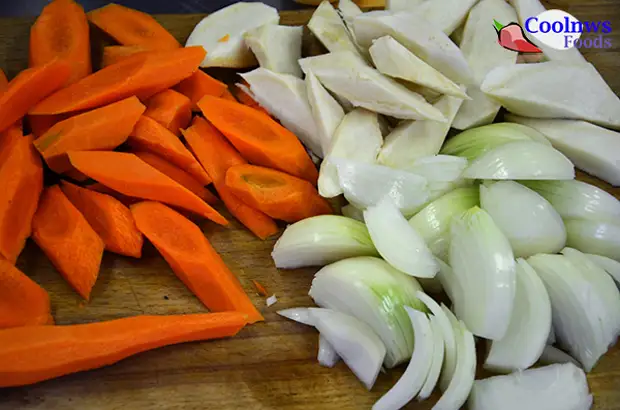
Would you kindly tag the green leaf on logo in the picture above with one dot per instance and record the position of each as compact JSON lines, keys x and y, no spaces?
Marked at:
{"x":498,"y":25}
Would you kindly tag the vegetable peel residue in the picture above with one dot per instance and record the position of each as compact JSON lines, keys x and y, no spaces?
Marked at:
{"x":224,"y":39}
{"x":260,"y":288}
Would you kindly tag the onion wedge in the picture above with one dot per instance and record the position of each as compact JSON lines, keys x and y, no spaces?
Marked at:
{"x":327,"y":356}
{"x":438,"y":354}
{"x":597,"y":237}
{"x":610,"y":266}
{"x":299,"y":315}
{"x":352,"y":212}
{"x":553,"y":355}
{"x":451,"y":354}
{"x":326,"y":111}
{"x":277,"y":48}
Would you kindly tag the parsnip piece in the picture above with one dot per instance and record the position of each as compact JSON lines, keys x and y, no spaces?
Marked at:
{"x":446,"y":15}
{"x":326,"y":111}
{"x":277,"y":48}
{"x":329,"y":28}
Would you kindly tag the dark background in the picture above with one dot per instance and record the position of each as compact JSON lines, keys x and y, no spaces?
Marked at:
{"x":20,"y":8}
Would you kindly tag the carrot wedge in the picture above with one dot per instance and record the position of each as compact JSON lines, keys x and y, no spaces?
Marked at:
{"x":109,"y":218}
{"x":142,"y":75}
{"x":21,"y":183}
{"x":259,"y":138}
{"x":40,"y":124}
{"x":171,"y":109}
{"x":104,"y":128}
{"x":29,"y":87}
{"x":102,"y":189}
{"x":178,"y":175}
{"x":246,"y":99}
{"x":199,"y":85}
{"x":67,"y":239}
{"x":193,"y":259}
{"x":114,"y":54}
{"x":61,"y":31}
{"x":129,"y":175}
{"x":132,"y":27}
{"x":149,"y":135}
{"x":227,"y":95}
{"x":7,"y":138}
{"x":22,"y":301}
{"x":32,"y":354}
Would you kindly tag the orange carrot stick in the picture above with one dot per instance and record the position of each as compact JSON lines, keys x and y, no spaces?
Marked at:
{"x":61,"y":31}
{"x":246,"y":99}
{"x":131,"y":176}
{"x":149,"y":135}
{"x":114,"y":54}
{"x":178,"y":175}
{"x":279,"y":195}
{"x":102,"y":129}
{"x":67,"y":239}
{"x":227,"y":95}
{"x":21,"y":183}
{"x":40,"y":124}
{"x":193,"y":259}
{"x":76,"y":175}
{"x":29,"y":87}
{"x":22,"y":301}
{"x":259,"y":138}
{"x":102,"y":189}
{"x":217,"y":155}
{"x":142,"y":75}
{"x":132,"y":27}
{"x":171,"y":109}
{"x":260,"y":288}
{"x":32,"y":354}
{"x":199,"y":85}
{"x":7,"y":138}
{"x":109,"y":218}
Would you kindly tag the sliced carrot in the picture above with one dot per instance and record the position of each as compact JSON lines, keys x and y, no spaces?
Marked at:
{"x":76,"y":175}
{"x":259,"y":138}
{"x":279,"y":195}
{"x":228,"y":96}
{"x":32,"y":354}
{"x":217,"y":155}
{"x":171,"y":109}
{"x":246,"y":99}
{"x":29,"y":87}
{"x":40,"y":124}
{"x":199,"y":85}
{"x":142,"y":75}
{"x":22,"y":301}
{"x":149,"y":135}
{"x":193,"y":259}
{"x":102,"y":189}
{"x":104,"y":128}
{"x":7,"y":138}
{"x":61,"y":31}
{"x":67,"y":239}
{"x":21,"y":183}
{"x":129,"y":175}
{"x":114,"y":54}
{"x":178,"y":175}
{"x":4,"y":82}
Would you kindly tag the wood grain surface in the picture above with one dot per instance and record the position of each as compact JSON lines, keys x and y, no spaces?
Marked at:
{"x":267,"y":366}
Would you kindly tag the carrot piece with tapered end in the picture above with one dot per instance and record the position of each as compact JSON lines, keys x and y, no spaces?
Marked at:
{"x":129,"y":175}
{"x":193,"y":259}
{"x":40,"y":124}
{"x":32,"y":354}
{"x":109,"y":218}
{"x":246,"y":99}
{"x":104,"y":128}
{"x":102,"y":189}
{"x":114,"y":54}
{"x":132,"y":27}
{"x":227,"y":95}
{"x":21,"y":183}
{"x":171,"y":109}
{"x":260,"y":139}
{"x":199,"y":85}
{"x":29,"y":87}
{"x":178,"y":175}
{"x":142,"y":75}
{"x":76,"y":175}
{"x":7,"y":138}
{"x":61,"y":31}
{"x":149,"y":135}
{"x":279,"y":195}
{"x":22,"y":301}
{"x":67,"y":239}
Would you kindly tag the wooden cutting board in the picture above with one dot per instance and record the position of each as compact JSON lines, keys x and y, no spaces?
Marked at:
{"x":269,"y":365}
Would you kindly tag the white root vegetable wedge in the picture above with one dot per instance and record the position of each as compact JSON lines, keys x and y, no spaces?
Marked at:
{"x":555,"y":387}
{"x":349,"y":10}
{"x":418,"y":368}
{"x":597,"y":237}
{"x":348,"y":75}
{"x":591,"y":148}
{"x":277,"y":48}
{"x":329,"y":28}
{"x":421,"y":38}
{"x":300,"y":315}
{"x":326,"y":111}
{"x":483,"y":53}
{"x":521,"y":160}
{"x":395,"y":60}
{"x":483,"y":262}
{"x":327,"y":355}
{"x":527,"y":219}
{"x":547,"y":90}
{"x":357,"y":138}
{"x":402,"y":5}
{"x":446,"y":15}
{"x":352,"y":212}
{"x":365,"y":185}
{"x":398,"y":242}
{"x":354,"y":341}
{"x":376,"y":293}
{"x":439,"y":168}
{"x":438,"y":354}
{"x":221,"y":34}
{"x":581,"y":319}
{"x":286,"y":98}
{"x":553,"y":355}
{"x":529,"y":327}
{"x":322,"y":240}
{"x":612,"y":267}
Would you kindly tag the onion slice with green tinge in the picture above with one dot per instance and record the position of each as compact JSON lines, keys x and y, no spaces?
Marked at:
{"x":438,"y":168}
{"x":597,"y":237}
{"x":609,"y":265}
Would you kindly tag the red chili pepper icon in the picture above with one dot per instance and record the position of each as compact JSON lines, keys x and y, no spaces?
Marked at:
{"x":512,"y":37}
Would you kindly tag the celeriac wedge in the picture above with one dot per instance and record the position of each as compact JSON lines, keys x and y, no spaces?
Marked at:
{"x":277,"y":48}
{"x":402,"y":5}
{"x":221,"y":34}
{"x":329,"y":28}
{"x":326,"y":111}
{"x":436,"y":12}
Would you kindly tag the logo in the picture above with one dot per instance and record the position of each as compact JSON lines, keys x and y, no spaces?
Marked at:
{"x":513,"y":38}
